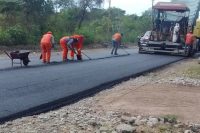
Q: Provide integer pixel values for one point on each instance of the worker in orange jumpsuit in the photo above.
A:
(66, 43)
(46, 44)
(78, 46)
(63, 44)
(116, 41)
(189, 40)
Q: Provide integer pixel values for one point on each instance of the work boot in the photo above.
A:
(116, 53)
(112, 52)
(79, 57)
(64, 60)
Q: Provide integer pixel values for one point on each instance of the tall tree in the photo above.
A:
(61, 4)
(10, 9)
(86, 5)
(37, 12)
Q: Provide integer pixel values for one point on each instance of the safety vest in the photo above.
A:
(46, 38)
(117, 37)
(189, 39)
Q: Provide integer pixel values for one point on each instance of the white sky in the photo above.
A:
(133, 6)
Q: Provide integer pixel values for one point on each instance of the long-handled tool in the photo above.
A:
(81, 52)
(86, 55)
(125, 51)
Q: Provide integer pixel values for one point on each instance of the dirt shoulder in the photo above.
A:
(166, 100)
(174, 90)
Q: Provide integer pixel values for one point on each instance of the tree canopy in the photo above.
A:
(24, 21)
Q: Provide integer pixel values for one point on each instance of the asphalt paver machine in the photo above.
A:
(170, 24)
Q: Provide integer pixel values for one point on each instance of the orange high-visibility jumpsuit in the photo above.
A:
(189, 39)
(117, 37)
(46, 45)
(78, 45)
(116, 41)
(63, 44)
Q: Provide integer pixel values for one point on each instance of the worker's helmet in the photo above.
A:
(49, 32)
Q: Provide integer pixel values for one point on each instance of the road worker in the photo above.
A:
(66, 43)
(189, 40)
(116, 41)
(46, 44)
(78, 46)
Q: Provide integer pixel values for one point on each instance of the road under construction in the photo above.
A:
(36, 89)
(32, 90)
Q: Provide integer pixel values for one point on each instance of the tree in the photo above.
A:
(10, 9)
(63, 4)
(37, 12)
(85, 5)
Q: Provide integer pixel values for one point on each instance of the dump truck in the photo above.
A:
(170, 24)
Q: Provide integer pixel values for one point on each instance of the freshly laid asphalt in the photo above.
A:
(27, 90)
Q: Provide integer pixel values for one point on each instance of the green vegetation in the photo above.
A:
(161, 128)
(193, 71)
(169, 129)
(170, 118)
(23, 22)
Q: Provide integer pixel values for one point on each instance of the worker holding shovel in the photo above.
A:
(78, 46)
(65, 43)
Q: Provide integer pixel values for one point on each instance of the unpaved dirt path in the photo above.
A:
(156, 100)
(156, 94)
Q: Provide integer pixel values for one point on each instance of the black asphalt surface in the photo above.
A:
(24, 89)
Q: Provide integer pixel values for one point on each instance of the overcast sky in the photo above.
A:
(132, 6)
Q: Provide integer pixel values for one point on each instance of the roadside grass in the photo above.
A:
(162, 128)
(166, 128)
(193, 71)
(170, 118)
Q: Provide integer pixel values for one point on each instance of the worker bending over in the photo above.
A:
(78, 46)
(116, 41)
(46, 44)
(66, 43)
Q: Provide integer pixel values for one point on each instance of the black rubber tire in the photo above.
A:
(140, 51)
(25, 62)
